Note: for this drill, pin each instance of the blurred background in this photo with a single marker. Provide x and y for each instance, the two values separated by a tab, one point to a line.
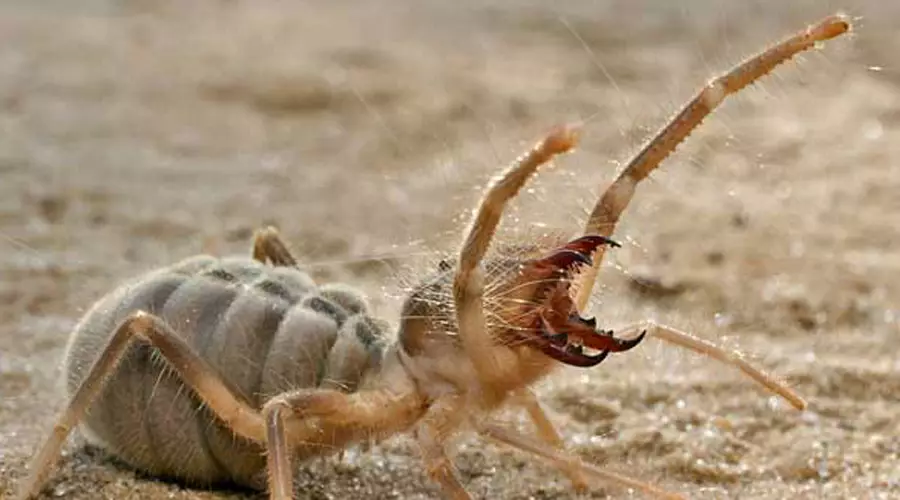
135	133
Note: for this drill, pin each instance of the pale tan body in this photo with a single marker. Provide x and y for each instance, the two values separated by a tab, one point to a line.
470	340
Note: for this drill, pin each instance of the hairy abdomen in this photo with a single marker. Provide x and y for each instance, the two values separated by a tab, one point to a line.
264	330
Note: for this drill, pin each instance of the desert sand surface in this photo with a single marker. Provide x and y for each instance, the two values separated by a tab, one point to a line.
137	133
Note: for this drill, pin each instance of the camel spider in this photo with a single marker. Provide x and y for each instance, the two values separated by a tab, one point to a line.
286	369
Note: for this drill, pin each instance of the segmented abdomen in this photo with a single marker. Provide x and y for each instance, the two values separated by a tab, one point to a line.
264	330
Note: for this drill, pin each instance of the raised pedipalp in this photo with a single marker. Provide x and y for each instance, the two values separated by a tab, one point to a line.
612	203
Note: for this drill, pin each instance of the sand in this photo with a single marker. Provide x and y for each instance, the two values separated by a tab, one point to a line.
136	133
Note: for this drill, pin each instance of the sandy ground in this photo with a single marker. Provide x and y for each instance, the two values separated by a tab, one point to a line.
134	133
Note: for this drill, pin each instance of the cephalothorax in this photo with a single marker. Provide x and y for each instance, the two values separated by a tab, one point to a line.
286	369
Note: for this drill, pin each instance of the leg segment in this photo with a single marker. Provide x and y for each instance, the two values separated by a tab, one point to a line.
325	418
194	371
468	285
613	202
503	434
268	246
278	460
549	435
696	344
434	430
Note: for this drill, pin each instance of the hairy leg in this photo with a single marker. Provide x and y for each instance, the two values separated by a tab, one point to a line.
269	247
468	285
194	371
696	344
548	434
434	430
615	199
503	434
329	419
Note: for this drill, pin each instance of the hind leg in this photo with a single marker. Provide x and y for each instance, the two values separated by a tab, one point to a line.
269	247
194	371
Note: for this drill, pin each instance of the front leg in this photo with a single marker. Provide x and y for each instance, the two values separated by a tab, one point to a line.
510	437
694	343
548	433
